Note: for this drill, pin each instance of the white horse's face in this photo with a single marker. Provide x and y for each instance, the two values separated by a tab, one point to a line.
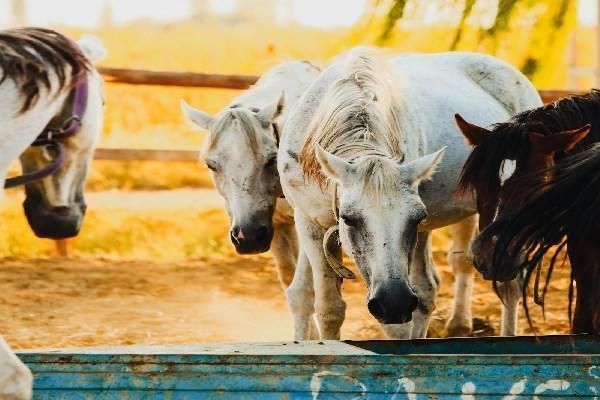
55	206
244	171
380	211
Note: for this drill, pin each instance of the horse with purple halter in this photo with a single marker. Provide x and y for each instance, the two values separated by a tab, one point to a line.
51	113
563	210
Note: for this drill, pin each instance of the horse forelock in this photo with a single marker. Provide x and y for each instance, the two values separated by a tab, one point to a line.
359	117
29	55
379	176
240	119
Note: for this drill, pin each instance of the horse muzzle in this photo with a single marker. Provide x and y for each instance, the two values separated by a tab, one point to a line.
54	222
393	303
251	239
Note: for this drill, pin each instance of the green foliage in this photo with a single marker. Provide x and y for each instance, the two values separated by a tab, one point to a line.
546	38
531	34
505	11
394	14
465	14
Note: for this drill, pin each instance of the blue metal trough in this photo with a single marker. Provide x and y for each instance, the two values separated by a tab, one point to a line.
558	367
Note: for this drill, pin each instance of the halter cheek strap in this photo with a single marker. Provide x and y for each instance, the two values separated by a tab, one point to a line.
51	136
275	132
332	238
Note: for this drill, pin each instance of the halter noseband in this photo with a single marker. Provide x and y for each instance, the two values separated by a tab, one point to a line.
333	234
51	138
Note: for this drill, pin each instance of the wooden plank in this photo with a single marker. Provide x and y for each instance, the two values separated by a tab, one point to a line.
565	367
167	78
62	247
549	96
120	154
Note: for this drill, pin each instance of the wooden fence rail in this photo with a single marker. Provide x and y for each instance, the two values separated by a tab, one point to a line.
185	79
196	79
120	154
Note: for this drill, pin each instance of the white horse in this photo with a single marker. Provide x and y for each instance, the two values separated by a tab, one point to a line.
41	76
241	152
365	139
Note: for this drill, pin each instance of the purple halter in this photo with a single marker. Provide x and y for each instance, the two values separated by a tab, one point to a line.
51	137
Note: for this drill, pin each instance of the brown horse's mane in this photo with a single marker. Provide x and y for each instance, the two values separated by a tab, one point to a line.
28	56
510	140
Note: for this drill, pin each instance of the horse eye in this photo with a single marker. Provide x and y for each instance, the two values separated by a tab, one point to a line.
211	166
351	220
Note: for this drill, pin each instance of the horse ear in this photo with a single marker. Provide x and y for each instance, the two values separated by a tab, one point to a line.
422	168
563	141
272	111
196	117
472	132
92	48
333	166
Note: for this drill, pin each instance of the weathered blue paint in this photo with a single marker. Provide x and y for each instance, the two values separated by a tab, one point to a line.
559	367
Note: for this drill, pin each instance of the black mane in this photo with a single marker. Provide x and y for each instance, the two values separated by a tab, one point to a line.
511	139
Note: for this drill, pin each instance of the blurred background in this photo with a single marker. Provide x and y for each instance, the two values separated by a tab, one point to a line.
155	235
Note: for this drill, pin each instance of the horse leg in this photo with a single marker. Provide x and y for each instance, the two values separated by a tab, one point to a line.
301	300
15	378
284	248
585	272
510	294
301	297
461	320
330	308
425	281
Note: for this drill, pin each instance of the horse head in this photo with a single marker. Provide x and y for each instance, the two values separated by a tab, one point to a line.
241	153
379	215
55	205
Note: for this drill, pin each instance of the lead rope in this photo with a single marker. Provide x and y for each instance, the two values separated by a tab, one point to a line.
331	238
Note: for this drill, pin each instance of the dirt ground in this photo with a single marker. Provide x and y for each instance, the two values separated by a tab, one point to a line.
49	303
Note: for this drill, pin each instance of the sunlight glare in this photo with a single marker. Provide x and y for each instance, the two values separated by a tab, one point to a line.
223	7
328	14
587	12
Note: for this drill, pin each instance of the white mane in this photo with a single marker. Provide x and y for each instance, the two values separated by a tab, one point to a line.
359	119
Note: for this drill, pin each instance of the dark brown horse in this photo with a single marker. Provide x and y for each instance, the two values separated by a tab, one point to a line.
511	151
563	210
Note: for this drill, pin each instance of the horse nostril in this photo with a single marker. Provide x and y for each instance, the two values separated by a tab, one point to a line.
262	233
236	235
61	210
375	308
